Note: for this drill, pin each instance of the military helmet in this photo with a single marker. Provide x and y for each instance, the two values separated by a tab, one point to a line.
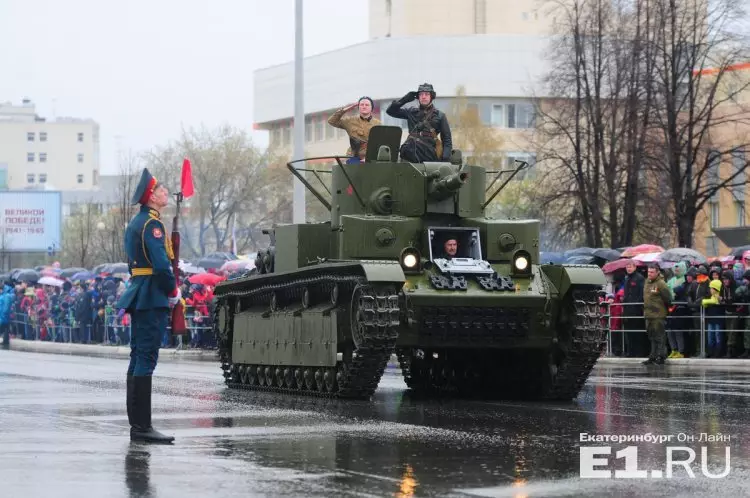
426	87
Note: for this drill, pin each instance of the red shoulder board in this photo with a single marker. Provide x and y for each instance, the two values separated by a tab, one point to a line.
157	233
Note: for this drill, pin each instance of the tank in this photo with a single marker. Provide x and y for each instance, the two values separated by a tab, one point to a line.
331	302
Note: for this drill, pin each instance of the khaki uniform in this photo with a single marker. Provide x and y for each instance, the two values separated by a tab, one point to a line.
657	298
356	127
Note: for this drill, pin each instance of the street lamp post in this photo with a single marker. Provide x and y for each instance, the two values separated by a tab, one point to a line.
298	199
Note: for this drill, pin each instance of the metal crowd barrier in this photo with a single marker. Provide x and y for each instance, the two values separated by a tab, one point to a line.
113	331
695	315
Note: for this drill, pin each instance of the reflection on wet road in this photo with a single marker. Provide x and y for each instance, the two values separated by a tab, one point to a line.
64	432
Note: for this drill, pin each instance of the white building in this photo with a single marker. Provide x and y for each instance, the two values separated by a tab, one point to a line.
61	154
494	49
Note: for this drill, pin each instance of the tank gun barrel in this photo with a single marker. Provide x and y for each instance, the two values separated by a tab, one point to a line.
442	187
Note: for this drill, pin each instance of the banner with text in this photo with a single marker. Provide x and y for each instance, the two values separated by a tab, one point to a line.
30	221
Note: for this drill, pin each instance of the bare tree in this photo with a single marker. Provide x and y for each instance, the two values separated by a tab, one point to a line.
79	244
231	177
700	120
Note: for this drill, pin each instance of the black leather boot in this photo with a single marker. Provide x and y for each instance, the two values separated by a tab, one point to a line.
142	429
130	400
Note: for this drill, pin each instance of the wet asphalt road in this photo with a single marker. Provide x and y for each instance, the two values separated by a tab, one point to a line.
64	433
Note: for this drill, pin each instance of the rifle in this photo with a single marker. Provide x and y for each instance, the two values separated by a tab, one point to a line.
179	327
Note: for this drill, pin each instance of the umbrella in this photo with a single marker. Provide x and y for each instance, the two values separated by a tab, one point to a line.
677	254
642	249
619	264
737	251
115	268
28	276
206	279
50	281
580	259
187	267
82	275
99	268
580	251
48	271
69	272
551	257
207	263
647	257
607	254
237	265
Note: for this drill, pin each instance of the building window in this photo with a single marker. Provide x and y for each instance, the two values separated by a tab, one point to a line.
525	116
714	215
42	136
740	210
529	157
30	178
738	168
79	178
42	177
330	131
319	132
95	178
80	137
498	115
714	160
308	130
80	158
480	17
711	249
30	157
30	136
42	157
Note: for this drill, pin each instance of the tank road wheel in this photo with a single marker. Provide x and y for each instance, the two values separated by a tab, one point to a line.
319	382
279	380
329	378
242	371
252	375
309	377
299	379
306	297
268	376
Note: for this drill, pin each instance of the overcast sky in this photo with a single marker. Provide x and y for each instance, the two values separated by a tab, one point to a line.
144	68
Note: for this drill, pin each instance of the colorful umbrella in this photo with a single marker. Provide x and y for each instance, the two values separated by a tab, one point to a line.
237	265
647	257
54	282
642	249
206	279
620	264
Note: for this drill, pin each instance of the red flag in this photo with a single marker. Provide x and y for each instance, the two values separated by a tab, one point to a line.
187	179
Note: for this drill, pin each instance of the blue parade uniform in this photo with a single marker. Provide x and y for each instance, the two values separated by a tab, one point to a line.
152	283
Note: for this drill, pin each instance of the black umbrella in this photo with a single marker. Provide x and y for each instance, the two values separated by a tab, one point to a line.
69	272
677	254
207	263
28	276
580	259
579	251
99	268
737	251
607	254
551	257
113	268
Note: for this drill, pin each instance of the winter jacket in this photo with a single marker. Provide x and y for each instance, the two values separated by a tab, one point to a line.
657	298
6	304
633	287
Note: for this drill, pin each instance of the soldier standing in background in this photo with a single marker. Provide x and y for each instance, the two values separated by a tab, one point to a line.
657	299
152	291
357	127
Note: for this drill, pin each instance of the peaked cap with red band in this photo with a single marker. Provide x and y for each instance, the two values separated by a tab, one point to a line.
145	188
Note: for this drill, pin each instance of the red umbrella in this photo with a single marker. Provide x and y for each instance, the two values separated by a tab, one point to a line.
206	279
642	249
620	264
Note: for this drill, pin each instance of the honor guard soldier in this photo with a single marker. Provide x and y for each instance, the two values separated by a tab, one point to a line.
425	124
152	292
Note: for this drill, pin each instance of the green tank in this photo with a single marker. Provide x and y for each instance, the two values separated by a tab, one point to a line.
332	302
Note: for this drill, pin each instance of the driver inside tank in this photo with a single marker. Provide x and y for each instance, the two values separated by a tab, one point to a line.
450	249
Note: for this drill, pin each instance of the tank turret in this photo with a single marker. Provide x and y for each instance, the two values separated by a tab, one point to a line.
446	183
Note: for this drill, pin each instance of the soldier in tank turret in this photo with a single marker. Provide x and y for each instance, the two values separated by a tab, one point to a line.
357	127
425	124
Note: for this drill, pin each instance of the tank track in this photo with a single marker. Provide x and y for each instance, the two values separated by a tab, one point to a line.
502	379
357	375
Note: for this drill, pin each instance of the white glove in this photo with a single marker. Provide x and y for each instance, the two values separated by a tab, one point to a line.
174	300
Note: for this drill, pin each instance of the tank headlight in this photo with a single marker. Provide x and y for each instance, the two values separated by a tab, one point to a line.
521	262
410	259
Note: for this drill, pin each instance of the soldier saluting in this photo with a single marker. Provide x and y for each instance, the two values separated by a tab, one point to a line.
425	124
358	128
152	291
